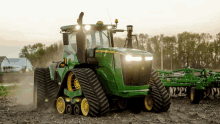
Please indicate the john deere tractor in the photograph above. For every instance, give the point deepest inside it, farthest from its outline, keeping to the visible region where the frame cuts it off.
(95, 77)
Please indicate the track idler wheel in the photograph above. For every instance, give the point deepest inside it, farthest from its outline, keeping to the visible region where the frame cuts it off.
(194, 96)
(148, 103)
(69, 109)
(61, 105)
(122, 103)
(85, 107)
(76, 109)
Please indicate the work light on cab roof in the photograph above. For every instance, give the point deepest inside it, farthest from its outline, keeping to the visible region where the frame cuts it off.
(99, 23)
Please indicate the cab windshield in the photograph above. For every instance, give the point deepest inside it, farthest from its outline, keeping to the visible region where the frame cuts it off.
(94, 39)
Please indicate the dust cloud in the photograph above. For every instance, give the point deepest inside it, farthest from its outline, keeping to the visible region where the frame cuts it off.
(23, 91)
(25, 94)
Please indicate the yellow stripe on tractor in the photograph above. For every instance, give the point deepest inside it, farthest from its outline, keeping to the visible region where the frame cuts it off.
(105, 51)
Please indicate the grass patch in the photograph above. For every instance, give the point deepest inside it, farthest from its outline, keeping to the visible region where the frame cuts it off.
(4, 91)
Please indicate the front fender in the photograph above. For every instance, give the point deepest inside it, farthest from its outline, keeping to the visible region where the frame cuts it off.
(107, 80)
(52, 68)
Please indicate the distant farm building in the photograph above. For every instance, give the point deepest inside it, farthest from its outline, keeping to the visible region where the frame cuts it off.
(14, 64)
(5, 64)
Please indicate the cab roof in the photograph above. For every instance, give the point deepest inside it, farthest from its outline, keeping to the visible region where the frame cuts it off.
(93, 27)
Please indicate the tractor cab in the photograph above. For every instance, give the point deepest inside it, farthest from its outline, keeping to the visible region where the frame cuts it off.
(97, 35)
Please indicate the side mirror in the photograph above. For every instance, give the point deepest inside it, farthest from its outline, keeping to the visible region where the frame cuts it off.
(65, 39)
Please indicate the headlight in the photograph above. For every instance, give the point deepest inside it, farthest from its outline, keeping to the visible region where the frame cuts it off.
(130, 58)
(109, 27)
(87, 27)
(148, 58)
(77, 27)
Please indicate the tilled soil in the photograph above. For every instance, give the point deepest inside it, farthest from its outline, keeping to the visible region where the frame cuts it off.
(181, 111)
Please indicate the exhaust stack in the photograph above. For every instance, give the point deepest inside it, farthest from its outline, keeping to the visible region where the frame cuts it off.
(81, 42)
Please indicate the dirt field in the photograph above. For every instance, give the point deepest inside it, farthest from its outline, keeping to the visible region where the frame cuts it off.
(17, 108)
(181, 111)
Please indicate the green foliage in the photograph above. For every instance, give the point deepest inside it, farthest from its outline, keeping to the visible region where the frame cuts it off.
(119, 42)
(3, 91)
(42, 56)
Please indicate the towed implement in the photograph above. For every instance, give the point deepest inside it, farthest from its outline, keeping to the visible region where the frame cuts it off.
(96, 77)
(194, 83)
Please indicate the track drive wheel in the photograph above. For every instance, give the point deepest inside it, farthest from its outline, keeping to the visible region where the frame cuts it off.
(159, 94)
(39, 87)
(61, 105)
(194, 96)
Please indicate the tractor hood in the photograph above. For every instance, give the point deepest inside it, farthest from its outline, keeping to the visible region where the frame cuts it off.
(127, 51)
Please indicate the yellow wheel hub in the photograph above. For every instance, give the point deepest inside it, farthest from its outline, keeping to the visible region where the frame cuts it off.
(192, 96)
(71, 86)
(61, 105)
(85, 107)
(148, 102)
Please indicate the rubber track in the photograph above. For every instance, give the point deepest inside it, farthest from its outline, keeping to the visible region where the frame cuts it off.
(160, 96)
(39, 86)
(92, 90)
(51, 88)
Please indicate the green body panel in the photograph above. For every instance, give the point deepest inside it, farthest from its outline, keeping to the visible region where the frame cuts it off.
(73, 94)
(51, 71)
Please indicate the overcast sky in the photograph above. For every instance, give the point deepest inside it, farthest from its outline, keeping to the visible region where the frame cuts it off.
(24, 22)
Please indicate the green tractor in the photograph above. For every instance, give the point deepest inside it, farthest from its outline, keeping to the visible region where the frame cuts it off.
(96, 77)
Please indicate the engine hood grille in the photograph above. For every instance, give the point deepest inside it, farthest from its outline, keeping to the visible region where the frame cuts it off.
(136, 73)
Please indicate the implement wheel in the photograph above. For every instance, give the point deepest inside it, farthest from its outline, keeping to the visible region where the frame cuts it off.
(188, 89)
(159, 94)
(194, 96)
(208, 91)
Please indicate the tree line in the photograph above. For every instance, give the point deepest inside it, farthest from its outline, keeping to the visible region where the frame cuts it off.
(187, 49)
